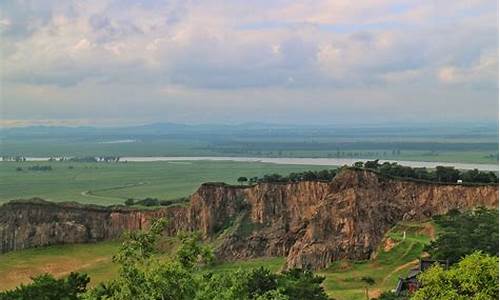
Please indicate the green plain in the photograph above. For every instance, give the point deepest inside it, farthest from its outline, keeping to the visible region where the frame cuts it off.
(112, 183)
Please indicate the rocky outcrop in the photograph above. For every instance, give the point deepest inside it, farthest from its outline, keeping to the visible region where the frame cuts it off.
(312, 223)
(315, 223)
(36, 222)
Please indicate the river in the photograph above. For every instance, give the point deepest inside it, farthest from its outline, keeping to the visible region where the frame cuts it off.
(300, 161)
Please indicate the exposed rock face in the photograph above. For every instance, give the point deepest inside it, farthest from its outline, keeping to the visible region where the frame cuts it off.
(311, 223)
(35, 222)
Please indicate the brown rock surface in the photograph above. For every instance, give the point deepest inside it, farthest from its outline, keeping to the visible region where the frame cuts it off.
(312, 223)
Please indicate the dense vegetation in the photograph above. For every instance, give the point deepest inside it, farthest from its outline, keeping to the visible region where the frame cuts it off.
(324, 175)
(439, 174)
(463, 233)
(143, 276)
(474, 277)
(469, 241)
(148, 201)
(46, 287)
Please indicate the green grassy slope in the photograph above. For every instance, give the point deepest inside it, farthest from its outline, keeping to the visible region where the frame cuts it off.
(112, 183)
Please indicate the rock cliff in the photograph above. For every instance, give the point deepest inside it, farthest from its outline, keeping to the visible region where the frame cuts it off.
(312, 223)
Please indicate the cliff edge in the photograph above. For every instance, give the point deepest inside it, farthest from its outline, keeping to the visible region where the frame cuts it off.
(312, 223)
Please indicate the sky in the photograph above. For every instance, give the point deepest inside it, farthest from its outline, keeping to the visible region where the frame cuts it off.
(309, 62)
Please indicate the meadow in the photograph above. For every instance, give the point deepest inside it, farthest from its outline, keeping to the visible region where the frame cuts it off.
(113, 183)
(343, 278)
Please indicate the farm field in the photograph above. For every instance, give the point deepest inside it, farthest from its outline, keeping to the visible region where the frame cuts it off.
(112, 183)
(470, 143)
(473, 152)
(343, 278)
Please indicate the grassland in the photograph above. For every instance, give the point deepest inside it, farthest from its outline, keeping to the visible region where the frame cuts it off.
(112, 183)
(466, 143)
(343, 278)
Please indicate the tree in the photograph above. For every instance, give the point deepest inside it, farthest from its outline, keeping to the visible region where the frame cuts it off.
(474, 277)
(447, 174)
(372, 164)
(358, 164)
(242, 179)
(300, 284)
(143, 276)
(129, 202)
(46, 287)
(464, 233)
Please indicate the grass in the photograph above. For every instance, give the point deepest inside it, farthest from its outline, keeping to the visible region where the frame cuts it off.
(105, 184)
(94, 259)
(343, 278)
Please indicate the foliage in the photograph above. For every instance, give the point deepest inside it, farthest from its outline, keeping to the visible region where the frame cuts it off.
(46, 287)
(300, 284)
(474, 277)
(242, 179)
(191, 252)
(463, 233)
(325, 175)
(151, 202)
(440, 174)
(143, 276)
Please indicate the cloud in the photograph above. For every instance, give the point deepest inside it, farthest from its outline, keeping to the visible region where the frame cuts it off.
(236, 48)
(483, 72)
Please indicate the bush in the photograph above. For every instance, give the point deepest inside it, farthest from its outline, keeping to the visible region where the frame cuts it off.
(474, 277)
(129, 202)
(47, 287)
(464, 233)
(323, 175)
(440, 174)
(148, 202)
(166, 202)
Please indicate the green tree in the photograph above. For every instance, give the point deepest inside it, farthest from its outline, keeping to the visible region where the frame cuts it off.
(372, 164)
(447, 174)
(358, 164)
(474, 277)
(46, 287)
(143, 276)
(300, 284)
(464, 233)
(242, 179)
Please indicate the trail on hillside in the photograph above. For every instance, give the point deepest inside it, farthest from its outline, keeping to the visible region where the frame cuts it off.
(399, 268)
